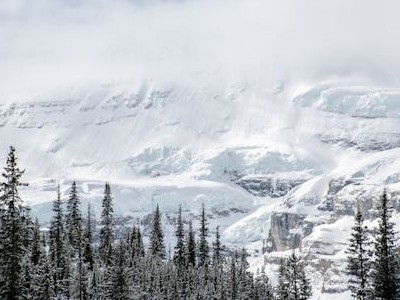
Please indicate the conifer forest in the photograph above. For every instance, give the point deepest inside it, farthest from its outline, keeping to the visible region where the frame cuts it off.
(70, 260)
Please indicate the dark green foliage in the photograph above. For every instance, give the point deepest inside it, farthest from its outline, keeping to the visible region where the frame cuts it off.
(107, 229)
(88, 252)
(118, 283)
(293, 283)
(69, 266)
(190, 249)
(58, 257)
(179, 255)
(74, 218)
(203, 243)
(13, 231)
(385, 267)
(358, 261)
(157, 247)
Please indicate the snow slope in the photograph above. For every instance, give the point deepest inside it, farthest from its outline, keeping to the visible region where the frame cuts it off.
(278, 167)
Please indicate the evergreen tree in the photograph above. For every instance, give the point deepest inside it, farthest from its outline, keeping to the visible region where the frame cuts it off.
(36, 250)
(157, 247)
(233, 280)
(179, 255)
(262, 287)
(88, 252)
(42, 281)
(292, 281)
(118, 275)
(386, 266)
(190, 249)
(12, 231)
(107, 223)
(203, 243)
(74, 219)
(245, 278)
(282, 288)
(57, 250)
(218, 268)
(358, 260)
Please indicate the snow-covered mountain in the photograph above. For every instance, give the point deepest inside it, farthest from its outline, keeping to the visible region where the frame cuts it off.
(278, 167)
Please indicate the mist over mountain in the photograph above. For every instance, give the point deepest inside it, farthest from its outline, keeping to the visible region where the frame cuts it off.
(281, 117)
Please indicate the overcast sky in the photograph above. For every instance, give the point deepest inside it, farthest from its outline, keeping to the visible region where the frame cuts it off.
(47, 44)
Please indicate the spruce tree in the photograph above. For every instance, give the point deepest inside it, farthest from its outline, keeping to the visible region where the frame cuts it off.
(385, 265)
(58, 249)
(190, 249)
(88, 252)
(74, 219)
(12, 231)
(292, 280)
(282, 287)
(118, 276)
(203, 243)
(107, 223)
(179, 255)
(157, 247)
(358, 260)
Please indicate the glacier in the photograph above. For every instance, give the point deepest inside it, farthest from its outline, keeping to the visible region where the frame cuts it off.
(277, 168)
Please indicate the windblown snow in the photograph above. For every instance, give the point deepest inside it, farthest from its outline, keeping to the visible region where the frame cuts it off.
(256, 157)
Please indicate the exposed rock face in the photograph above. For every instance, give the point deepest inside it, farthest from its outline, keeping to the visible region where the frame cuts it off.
(264, 186)
(366, 143)
(287, 231)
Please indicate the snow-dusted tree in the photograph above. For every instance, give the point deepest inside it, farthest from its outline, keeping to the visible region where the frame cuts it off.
(107, 226)
(203, 243)
(359, 260)
(157, 247)
(218, 268)
(245, 278)
(282, 287)
(74, 219)
(117, 281)
(385, 266)
(293, 283)
(58, 250)
(136, 246)
(42, 282)
(179, 255)
(232, 278)
(88, 252)
(262, 287)
(13, 231)
(190, 249)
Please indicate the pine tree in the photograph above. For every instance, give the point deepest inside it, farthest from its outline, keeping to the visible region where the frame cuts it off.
(190, 249)
(179, 255)
(282, 288)
(42, 281)
(118, 276)
(262, 287)
(217, 267)
(36, 246)
(157, 247)
(203, 243)
(233, 280)
(292, 280)
(245, 279)
(88, 252)
(74, 219)
(12, 231)
(358, 260)
(386, 266)
(58, 250)
(107, 223)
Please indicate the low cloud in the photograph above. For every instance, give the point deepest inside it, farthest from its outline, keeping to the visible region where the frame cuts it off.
(47, 44)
